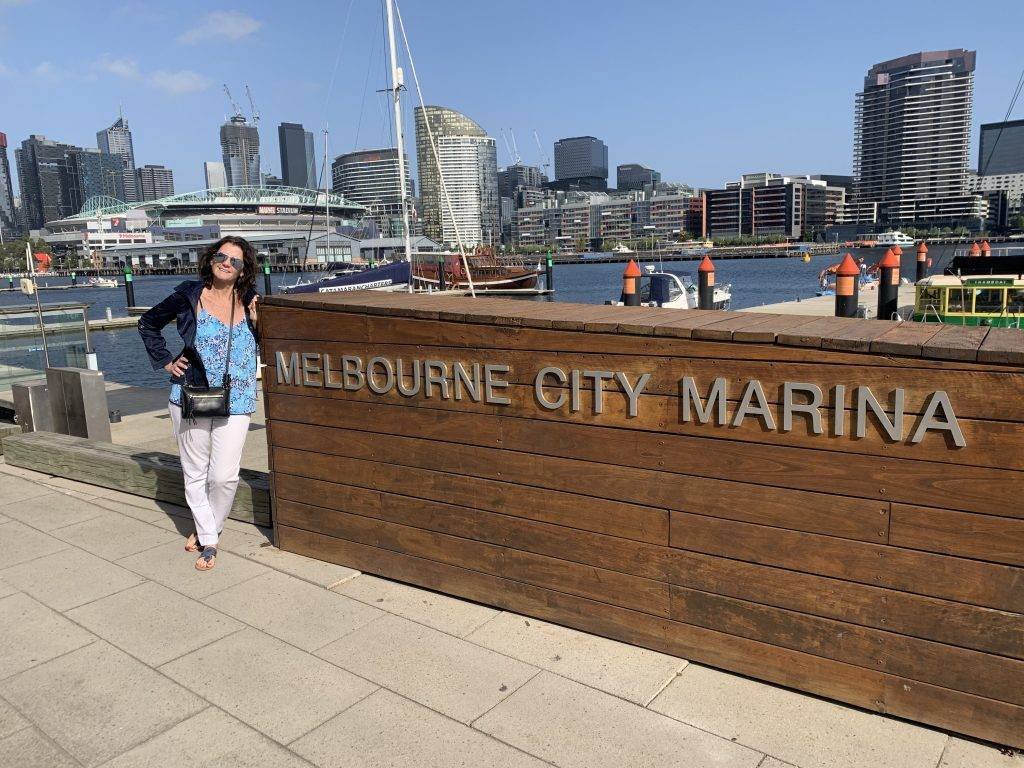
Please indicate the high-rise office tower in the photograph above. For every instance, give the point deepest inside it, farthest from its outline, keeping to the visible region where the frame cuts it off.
(155, 181)
(214, 175)
(46, 176)
(96, 174)
(298, 162)
(911, 138)
(370, 177)
(634, 176)
(519, 176)
(8, 219)
(581, 162)
(1001, 149)
(117, 140)
(240, 143)
(469, 168)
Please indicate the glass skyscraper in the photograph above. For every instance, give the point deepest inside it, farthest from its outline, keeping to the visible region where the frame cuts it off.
(240, 144)
(298, 161)
(117, 140)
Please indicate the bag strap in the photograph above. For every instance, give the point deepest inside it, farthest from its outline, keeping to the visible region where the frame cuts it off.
(231, 333)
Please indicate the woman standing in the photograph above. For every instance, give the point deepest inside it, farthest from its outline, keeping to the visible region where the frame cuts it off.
(216, 319)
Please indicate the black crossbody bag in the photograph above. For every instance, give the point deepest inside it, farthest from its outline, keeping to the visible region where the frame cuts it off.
(211, 402)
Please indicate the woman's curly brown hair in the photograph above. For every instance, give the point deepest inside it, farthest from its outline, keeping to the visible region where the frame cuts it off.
(247, 279)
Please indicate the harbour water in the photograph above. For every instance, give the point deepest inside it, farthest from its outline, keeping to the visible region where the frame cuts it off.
(754, 282)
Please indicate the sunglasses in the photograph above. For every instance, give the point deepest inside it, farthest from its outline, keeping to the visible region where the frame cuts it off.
(220, 258)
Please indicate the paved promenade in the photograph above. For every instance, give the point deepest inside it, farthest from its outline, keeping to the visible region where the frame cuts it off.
(115, 652)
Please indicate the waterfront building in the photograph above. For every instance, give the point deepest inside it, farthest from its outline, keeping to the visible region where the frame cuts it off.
(370, 177)
(8, 215)
(520, 176)
(1001, 149)
(46, 171)
(95, 174)
(214, 175)
(468, 163)
(298, 160)
(1009, 185)
(240, 145)
(911, 139)
(763, 204)
(633, 176)
(581, 163)
(155, 181)
(117, 140)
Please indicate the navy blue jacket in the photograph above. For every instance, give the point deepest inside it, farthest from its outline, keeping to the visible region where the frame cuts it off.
(181, 306)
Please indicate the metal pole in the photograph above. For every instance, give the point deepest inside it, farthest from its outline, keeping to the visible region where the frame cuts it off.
(266, 277)
(396, 87)
(549, 273)
(129, 284)
(42, 326)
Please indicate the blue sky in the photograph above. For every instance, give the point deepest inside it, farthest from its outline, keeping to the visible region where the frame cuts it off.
(700, 91)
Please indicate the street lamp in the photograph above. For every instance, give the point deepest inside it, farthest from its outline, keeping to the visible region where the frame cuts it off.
(650, 228)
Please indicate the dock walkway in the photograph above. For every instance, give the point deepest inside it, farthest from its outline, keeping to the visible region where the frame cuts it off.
(115, 652)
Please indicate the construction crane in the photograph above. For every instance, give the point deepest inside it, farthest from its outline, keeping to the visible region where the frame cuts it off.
(255, 112)
(544, 162)
(515, 149)
(234, 105)
(508, 146)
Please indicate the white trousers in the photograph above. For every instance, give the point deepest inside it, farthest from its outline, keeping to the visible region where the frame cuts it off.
(211, 453)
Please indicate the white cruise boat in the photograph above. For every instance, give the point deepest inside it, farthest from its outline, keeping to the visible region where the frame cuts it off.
(888, 239)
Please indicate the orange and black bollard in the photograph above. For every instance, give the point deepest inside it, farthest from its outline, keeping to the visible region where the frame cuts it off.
(922, 260)
(846, 287)
(706, 284)
(630, 285)
(986, 249)
(975, 251)
(888, 285)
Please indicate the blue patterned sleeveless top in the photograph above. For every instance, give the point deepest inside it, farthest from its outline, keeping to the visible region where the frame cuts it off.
(212, 346)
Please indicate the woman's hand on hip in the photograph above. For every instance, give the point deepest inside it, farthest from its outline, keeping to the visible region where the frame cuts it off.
(252, 307)
(177, 367)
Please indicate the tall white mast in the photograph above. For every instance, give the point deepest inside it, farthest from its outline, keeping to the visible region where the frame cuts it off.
(396, 87)
(327, 198)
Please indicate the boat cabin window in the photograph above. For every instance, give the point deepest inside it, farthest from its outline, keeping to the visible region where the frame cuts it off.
(929, 298)
(1015, 301)
(988, 300)
(959, 300)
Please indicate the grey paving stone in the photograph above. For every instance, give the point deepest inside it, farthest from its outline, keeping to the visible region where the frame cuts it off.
(771, 762)
(31, 633)
(295, 611)
(19, 543)
(170, 565)
(444, 613)
(14, 489)
(5, 588)
(10, 720)
(97, 702)
(445, 673)
(66, 579)
(969, 754)
(52, 510)
(305, 568)
(149, 510)
(385, 730)
(210, 739)
(633, 673)
(30, 749)
(153, 623)
(82, 490)
(266, 683)
(816, 733)
(113, 536)
(573, 726)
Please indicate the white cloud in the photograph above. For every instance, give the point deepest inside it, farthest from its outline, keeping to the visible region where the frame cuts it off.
(5, 71)
(123, 67)
(231, 25)
(47, 71)
(182, 81)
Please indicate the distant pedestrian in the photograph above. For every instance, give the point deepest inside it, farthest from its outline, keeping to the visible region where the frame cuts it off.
(213, 380)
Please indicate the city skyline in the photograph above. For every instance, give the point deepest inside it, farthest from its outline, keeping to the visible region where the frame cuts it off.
(702, 134)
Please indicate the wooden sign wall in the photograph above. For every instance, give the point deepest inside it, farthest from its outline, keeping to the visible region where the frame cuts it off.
(850, 524)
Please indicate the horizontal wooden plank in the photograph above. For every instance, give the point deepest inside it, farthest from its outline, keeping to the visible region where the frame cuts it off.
(996, 444)
(983, 537)
(857, 338)
(994, 677)
(774, 506)
(609, 552)
(890, 479)
(811, 335)
(955, 343)
(970, 391)
(871, 689)
(923, 573)
(944, 621)
(905, 339)
(600, 584)
(281, 322)
(1002, 345)
(585, 513)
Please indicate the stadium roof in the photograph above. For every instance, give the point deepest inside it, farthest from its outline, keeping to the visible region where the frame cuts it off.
(220, 196)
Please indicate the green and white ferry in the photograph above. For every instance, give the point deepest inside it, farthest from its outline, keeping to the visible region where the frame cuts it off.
(987, 291)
